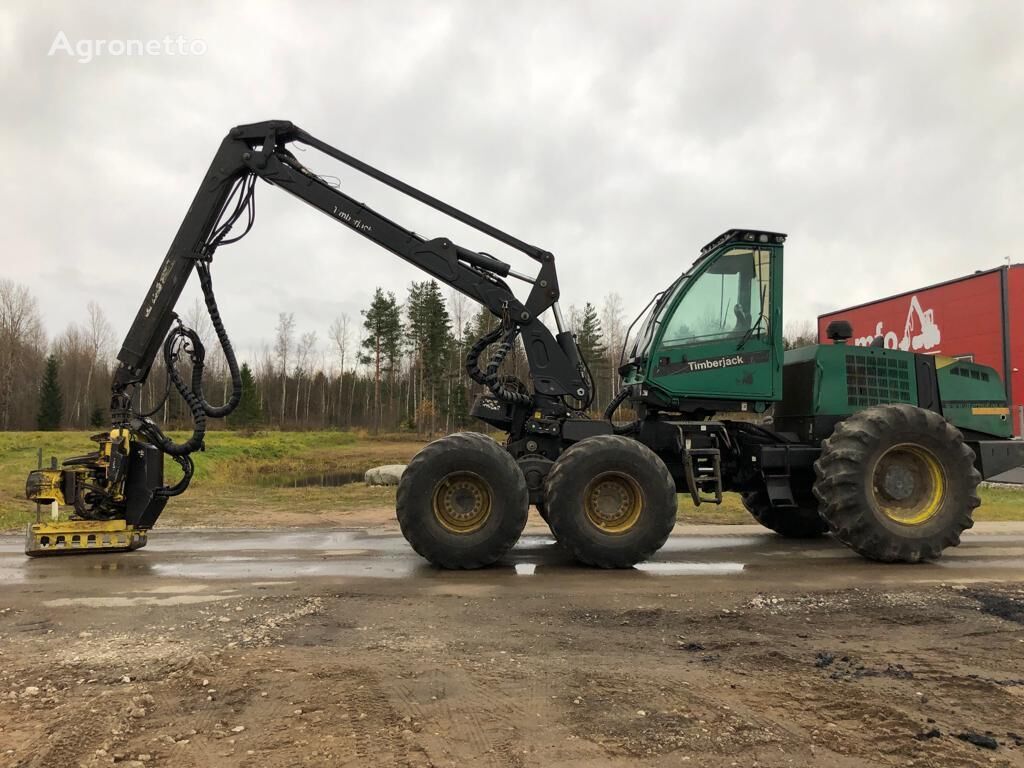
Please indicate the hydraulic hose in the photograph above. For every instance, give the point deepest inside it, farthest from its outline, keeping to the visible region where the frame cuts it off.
(199, 408)
(489, 377)
(192, 395)
(218, 411)
(613, 406)
(188, 468)
(473, 356)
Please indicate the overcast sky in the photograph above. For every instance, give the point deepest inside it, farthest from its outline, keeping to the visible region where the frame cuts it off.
(884, 138)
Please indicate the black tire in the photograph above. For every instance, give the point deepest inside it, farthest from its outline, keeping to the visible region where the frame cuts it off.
(636, 521)
(897, 483)
(800, 522)
(462, 501)
(542, 511)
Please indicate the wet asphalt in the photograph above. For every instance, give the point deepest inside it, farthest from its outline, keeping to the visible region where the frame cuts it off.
(697, 558)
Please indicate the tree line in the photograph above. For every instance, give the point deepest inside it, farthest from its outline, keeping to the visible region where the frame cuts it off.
(398, 366)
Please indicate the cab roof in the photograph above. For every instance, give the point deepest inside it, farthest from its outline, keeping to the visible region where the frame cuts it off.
(743, 236)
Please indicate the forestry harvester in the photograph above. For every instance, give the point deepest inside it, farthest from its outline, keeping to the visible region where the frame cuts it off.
(883, 448)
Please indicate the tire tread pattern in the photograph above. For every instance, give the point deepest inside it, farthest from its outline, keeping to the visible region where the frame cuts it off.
(840, 472)
(560, 498)
(409, 519)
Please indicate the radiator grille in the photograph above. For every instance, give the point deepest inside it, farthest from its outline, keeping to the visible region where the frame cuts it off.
(875, 380)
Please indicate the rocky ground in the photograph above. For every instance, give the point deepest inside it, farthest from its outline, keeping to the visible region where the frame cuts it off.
(125, 666)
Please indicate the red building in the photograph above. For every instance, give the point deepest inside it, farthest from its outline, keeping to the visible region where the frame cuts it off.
(979, 317)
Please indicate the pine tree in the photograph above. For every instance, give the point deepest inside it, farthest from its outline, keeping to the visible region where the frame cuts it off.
(429, 334)
(98, 417)
(588, 335)
(247, 414)
(458, 407)
(592, 349)
(51, 401)
(483, 322)
(382, 345)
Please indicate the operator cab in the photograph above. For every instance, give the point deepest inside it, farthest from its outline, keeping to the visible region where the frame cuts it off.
(715, 333)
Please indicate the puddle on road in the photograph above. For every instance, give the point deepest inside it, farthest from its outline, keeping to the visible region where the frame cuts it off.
(239, 568)
(247, 541)
(689, 569)
(346, 552)
(173, 589)
(128, 602)
(683, 543)
(270, 557)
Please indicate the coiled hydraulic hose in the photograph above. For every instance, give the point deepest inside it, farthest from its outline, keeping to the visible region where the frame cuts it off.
(489, 377)
(187, 341)
(218, 411)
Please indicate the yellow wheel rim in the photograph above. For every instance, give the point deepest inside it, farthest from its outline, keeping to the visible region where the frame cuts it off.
(908, 484)
(613, 502)
(462, 502)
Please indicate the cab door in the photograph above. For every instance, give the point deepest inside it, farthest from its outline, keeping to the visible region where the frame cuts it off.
(720, 336)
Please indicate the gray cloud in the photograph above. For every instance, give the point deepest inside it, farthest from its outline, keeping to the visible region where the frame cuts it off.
(883, 137)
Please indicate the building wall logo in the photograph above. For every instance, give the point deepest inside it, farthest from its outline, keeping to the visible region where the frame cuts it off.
(920, 332)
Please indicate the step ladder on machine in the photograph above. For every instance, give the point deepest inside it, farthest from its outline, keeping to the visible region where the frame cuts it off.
(703, 467)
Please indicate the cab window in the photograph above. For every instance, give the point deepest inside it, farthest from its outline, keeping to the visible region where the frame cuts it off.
(728, 300)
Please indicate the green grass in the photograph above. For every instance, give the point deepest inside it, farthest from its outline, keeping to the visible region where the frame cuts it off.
(1000, 503)
(730, 512)
(261, 467)
(243, 476)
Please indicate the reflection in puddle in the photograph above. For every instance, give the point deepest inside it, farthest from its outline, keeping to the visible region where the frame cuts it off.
(11, 575)
(273, 557)
(694, 569)
(290, 568)
(704, 543)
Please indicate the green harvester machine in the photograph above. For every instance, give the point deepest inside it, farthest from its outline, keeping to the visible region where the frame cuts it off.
(883, 448)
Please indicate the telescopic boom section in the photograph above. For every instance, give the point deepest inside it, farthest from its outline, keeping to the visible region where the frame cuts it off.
(119, 487)
(262, 150)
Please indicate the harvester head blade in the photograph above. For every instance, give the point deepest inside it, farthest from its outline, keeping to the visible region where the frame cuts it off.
(79, 537)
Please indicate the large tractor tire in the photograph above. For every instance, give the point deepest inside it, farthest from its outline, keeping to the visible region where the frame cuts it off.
(462, 501)
(610, 501)
(897, 483)
(799, 522)
(542, 511)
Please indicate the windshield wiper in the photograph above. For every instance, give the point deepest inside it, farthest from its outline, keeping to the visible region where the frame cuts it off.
(756, 326)
(750, 332)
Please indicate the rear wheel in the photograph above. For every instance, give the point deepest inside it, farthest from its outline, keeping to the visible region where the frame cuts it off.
(897, 483)
(542, 511)
(462, 501)
(611, 501)
(799, 522)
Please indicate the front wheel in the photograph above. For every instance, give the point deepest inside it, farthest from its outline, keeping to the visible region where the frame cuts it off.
(611, 501)
(897, 483)
(462, 501)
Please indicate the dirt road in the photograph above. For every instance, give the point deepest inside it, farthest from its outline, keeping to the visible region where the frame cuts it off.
(733, 648)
